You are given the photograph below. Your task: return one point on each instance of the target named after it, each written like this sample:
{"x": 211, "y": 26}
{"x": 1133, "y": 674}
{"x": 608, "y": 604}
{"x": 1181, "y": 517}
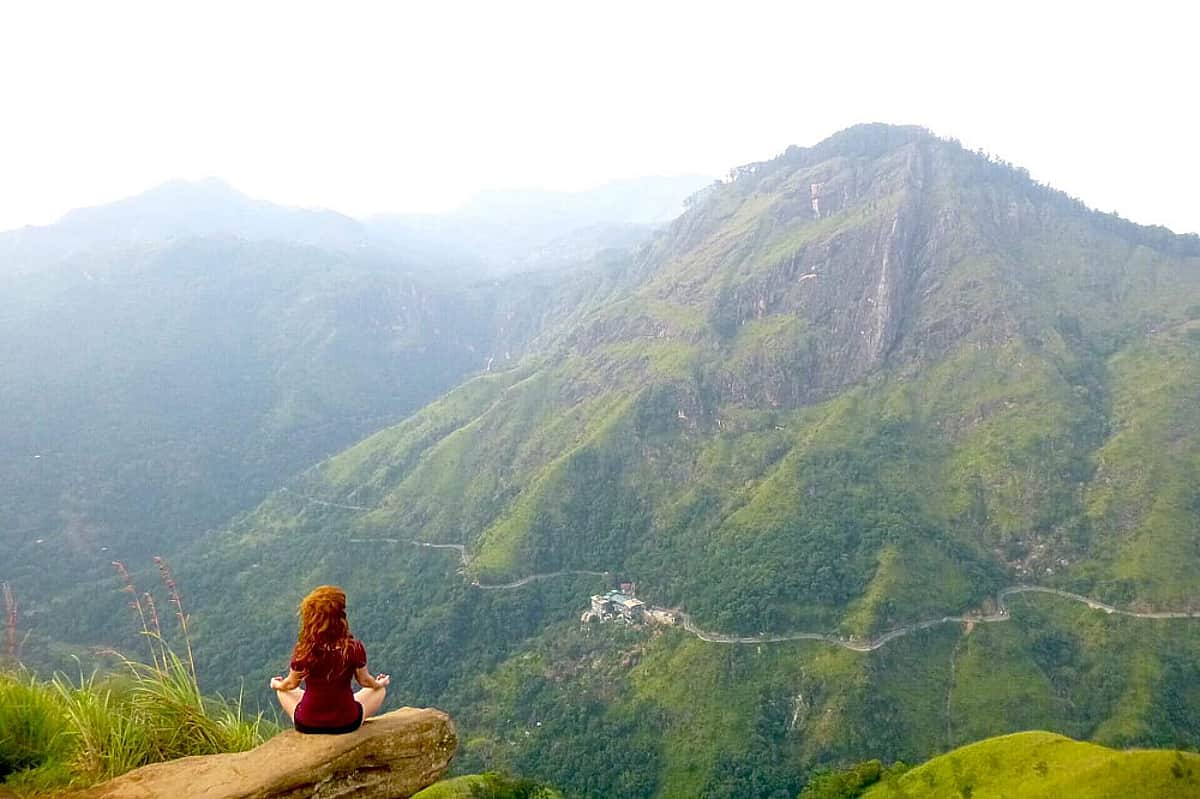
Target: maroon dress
{"x": 328, "y": 705}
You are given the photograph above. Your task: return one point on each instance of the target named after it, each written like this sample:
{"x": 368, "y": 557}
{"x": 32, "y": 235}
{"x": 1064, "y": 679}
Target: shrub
{"x": 32, "y": 725}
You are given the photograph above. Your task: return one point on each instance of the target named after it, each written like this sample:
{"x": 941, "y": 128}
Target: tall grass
{"x": 148, "y": 714}
{"x": 33, "y": 729}
{"x": 90, "y": 728}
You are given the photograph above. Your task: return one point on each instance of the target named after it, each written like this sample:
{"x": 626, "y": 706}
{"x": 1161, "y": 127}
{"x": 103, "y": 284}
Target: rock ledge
{"x": 391, "y": 757}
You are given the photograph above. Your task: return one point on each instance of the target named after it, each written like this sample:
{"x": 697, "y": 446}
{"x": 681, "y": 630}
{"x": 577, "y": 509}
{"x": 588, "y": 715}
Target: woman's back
{"x": 326, "y": 658}
{"x": 328, "y": 695}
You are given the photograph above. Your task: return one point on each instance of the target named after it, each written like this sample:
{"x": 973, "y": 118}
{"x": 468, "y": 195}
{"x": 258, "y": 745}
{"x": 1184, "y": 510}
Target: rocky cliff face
{"x": 802, "y": 275}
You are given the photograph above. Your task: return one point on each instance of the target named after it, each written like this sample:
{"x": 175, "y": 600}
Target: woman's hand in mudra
{"x": 288, "y": 683}
{"x": 367, "y": 681}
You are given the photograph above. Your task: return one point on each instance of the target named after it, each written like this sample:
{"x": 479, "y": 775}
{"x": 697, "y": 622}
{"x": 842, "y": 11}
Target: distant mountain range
{"x": 175, "y": 210}
{"x": 496, "y": 232}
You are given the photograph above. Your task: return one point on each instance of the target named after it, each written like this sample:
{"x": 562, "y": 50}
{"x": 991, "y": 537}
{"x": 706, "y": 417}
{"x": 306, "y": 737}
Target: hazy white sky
{"x": 366, "y": 107}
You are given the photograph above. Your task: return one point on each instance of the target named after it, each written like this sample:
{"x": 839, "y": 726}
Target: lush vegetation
{"x": 70, "y": 732}
{"x": 488, "y": 786}
{"x": 949, "y": 380}
{"x": 851, "y": 783}
{"x": 747, "y": 437}
{"x": 65, "y": 731}
{"x": 1040, "y": 765}
{"x": 152, "y": 394}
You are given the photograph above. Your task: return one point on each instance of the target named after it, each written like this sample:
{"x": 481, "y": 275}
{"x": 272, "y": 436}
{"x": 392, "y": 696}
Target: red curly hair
{"x": 324, "y": 643}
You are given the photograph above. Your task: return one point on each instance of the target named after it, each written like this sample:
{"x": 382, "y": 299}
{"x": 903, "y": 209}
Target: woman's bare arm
{"x": 289, "y": 682}
{"x": 367, "y": 681}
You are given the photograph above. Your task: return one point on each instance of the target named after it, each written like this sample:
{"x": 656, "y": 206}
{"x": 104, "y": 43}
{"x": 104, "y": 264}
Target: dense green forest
{"x": 488, "y": 786}
{"x": 168, "y": 388}
{"x": 858, "y": 387}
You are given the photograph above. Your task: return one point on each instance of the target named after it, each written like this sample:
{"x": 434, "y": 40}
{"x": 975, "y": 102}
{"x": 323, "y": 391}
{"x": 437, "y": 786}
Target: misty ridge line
{"x": 493, "y": 232}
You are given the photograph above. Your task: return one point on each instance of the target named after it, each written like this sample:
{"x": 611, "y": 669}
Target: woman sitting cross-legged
{"x": 326, "y": 658}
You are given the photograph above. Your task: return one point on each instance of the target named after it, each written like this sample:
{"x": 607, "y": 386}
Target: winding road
{"x": 466, "y": 561}
{"x": 533, "y": 578}
{"x": 851, "y": 643}
{"x": 324, "y": 502}
{"x": 872, "y": 644}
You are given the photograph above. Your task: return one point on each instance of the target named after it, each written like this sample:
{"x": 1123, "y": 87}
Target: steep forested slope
{"x": 167, "y": 359}
{"x": 151, "y": 393}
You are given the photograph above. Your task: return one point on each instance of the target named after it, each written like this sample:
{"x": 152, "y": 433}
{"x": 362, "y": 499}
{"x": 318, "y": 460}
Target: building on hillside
{"x": 617, "y": 605}
{"x": 630, "y": 608}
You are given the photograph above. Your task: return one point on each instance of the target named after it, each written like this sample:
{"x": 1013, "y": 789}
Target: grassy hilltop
{"x": 1042, "y": 765}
